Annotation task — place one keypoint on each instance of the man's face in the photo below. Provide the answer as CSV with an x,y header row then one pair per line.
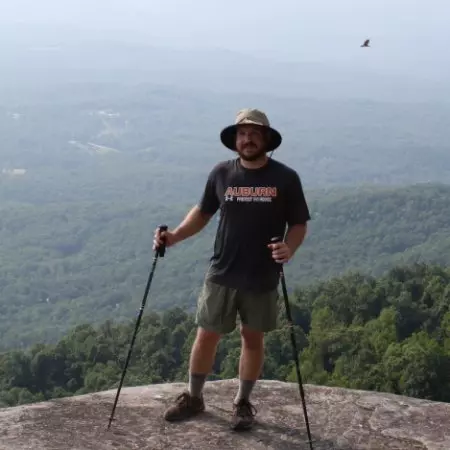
x,y
251,142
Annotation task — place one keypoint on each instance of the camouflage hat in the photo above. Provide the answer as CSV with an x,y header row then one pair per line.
x,y
250,117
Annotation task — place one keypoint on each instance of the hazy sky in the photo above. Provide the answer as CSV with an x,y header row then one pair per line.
x,y
408,36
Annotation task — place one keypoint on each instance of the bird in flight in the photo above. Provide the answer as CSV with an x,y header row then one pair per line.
x,y
366,43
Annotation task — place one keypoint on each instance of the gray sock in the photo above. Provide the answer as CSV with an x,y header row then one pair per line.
x,y
196,383
245,389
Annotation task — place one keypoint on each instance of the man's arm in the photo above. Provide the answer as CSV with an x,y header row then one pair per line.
x,y
199,216
295,236
193,223
297,215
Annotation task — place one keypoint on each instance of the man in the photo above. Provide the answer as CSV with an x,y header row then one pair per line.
x,y
257,198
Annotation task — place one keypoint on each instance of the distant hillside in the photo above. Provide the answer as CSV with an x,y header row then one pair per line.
x,y
65,264
100,142
370,229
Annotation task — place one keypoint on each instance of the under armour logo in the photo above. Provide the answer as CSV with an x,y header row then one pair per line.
x,y
229,198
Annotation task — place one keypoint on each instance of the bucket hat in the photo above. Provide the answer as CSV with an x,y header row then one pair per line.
x,y
249,116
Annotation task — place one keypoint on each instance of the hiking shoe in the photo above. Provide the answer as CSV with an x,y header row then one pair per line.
x,y
185,407
243,415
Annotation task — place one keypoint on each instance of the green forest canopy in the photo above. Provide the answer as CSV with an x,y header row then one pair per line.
x,y
63,265
388,334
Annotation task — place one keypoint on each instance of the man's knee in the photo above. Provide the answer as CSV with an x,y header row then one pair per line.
x,y
252,339
206,338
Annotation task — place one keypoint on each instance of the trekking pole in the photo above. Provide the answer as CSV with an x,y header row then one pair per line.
x,y
294,346
159,252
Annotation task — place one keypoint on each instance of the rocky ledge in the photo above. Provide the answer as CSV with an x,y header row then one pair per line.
x,y
340,419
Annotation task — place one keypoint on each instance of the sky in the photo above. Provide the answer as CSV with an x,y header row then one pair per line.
x,y
408,36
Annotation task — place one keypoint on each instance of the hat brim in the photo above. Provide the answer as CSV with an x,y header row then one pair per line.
x,y
228,137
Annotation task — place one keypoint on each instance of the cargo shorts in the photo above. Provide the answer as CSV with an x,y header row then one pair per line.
x,y
218,307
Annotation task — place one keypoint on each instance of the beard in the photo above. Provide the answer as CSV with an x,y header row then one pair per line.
x,y
253,155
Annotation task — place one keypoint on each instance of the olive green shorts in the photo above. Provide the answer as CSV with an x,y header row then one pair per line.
x,y
218,306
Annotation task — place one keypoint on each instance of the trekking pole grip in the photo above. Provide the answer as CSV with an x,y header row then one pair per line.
x,y
275,240
161,250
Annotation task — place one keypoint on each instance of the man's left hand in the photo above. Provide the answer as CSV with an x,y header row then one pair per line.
x,y
281,252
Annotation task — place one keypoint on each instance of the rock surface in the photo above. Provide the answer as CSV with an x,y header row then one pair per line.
x,y
340,419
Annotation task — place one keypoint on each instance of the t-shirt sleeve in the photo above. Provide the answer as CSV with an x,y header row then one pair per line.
x,y
209,202
297,211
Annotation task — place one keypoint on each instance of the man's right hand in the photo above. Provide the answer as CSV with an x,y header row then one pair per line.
x,y
159,237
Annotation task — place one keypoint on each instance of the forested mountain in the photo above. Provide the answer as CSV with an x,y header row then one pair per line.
x,y
76,262
103,139
389,334
89,168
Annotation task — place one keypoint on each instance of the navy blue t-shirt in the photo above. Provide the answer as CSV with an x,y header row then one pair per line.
x,y
255,205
